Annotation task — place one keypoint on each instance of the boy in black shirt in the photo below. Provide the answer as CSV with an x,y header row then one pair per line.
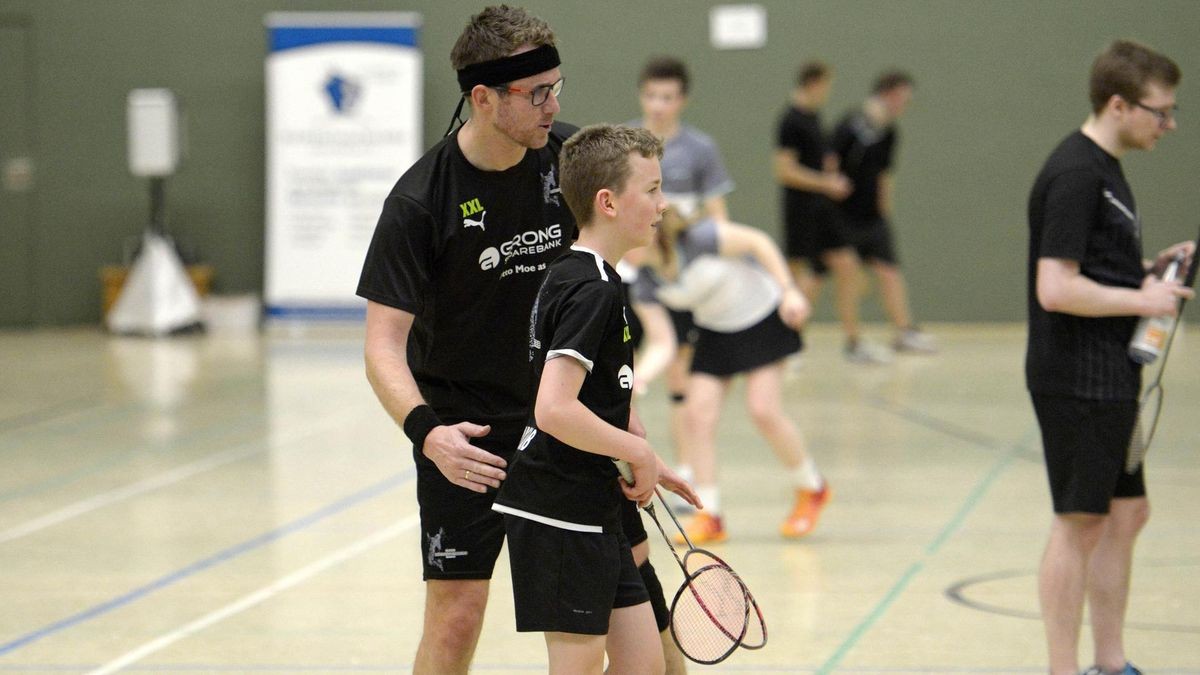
x,y
573,575
865,142
1087,286
806,168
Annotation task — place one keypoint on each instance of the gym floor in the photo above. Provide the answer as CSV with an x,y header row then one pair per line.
x,y
241,503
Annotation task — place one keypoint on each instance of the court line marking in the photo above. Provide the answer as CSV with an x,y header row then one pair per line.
x,y
180,473
972,500
47,413
114,411
935,423
225,555
207,433
956,593
259,596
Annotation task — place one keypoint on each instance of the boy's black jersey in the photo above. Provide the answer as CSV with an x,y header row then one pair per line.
x,y
864,153
464,251
579,314
799,130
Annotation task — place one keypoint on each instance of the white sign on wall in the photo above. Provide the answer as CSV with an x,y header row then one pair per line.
x,y
737,26
343,107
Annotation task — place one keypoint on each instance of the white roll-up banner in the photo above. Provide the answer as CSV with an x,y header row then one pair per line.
x,y
343,108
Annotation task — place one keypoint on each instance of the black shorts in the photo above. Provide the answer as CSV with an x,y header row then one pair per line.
x,y
812,234
1085,444
461,535
727,354
569,582
871,239
631,523
685,327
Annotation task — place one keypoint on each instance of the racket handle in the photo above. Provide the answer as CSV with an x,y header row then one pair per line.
x,y
625,469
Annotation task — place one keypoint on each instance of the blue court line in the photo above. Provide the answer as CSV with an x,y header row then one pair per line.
x,y
932,549
211,561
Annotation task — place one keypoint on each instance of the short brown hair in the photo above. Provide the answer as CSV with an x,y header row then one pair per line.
x,y
892,79
497,32
1124,69
666,68
812,71
597,158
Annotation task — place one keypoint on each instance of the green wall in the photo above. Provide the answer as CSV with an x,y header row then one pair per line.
x,y
999,83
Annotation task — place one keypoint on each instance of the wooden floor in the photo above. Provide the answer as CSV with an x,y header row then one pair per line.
x,y
242,504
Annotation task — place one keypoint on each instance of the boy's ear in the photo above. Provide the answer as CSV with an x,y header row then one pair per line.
x,y
606,202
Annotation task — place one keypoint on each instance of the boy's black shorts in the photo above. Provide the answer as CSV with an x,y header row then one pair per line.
x,y
811,235
871,239
461,536
1085,445
569,582
631,523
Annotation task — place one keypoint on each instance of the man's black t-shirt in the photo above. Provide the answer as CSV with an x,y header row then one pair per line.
x,y
464,251
865,152
579,314
1081,209
800,131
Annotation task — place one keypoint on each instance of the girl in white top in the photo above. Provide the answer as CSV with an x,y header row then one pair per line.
x,y
736,283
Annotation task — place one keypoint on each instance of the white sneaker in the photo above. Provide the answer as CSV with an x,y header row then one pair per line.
x,y
915,341
864,352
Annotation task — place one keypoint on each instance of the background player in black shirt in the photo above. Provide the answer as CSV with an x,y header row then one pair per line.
x,y
454,265
1087,285
865,142
807,170
573,575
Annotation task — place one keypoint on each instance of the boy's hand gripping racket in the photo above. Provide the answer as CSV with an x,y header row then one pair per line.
x,y
1150,403
713,612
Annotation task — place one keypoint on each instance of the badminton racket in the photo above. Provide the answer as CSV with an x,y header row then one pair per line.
x,y
713,612
1150,403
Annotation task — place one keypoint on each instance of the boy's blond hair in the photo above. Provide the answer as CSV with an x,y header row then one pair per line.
x,y
596,158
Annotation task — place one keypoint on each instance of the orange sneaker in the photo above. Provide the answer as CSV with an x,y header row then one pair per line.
x,y
803,518
703,528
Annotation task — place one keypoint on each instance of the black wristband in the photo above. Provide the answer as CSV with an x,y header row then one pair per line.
x,y
420,421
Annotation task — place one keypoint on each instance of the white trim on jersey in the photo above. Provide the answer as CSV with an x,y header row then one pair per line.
x,y
555,353
599,261
552,522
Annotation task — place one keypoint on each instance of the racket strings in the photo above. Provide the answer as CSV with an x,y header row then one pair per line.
x,y
709,615
756,630
1144,427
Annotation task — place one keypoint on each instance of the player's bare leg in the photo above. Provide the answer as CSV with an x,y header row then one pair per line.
x,y
764,403
848,288
676,664
1062,581
1109,576
453,619
575,654
630,648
